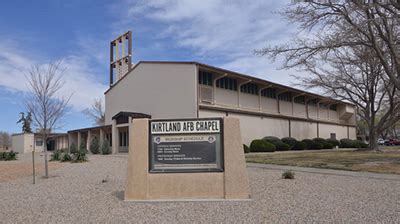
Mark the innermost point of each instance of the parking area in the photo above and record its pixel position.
(93, 192)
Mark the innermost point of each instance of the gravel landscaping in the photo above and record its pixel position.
(93, 192)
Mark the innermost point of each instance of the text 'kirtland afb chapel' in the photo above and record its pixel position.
(176, 90)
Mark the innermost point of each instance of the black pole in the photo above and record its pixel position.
(33, 165)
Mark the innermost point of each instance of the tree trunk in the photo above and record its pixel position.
(46, 169)
(373, 139)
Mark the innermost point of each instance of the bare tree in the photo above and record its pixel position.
(352, 53)
(45, 104)
(5, 140)
(96, 112)
(339, 25)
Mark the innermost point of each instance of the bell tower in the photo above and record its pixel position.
(120, 57)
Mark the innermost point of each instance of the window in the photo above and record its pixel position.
(323, 106)
(313, 102)
(109, 138)
(286, 97)
(300, 100)
(249, 88)
(270, 93)
(39, 142)
(333, 136)
(332, 107)
(227, 83)
(205, 78)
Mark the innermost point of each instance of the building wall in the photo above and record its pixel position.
(285, 108)
(325, 131)
(22, 143)
(303, 130)
(255, 127)
(249, 101)
(159, 89)
(226, 97)
(299, 110)
(269, 105)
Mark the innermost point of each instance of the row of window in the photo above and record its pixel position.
(206, 78)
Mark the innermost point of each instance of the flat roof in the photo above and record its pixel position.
(236, 74)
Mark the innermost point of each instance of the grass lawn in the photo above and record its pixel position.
(379, 162)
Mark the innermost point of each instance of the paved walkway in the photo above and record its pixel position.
(326, 171)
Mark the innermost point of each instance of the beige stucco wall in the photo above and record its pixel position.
(312, 112)
(269, 105)
(325, 131)
(159, 89)
(285, 108)
(301, 130)
(226, 97)
(22, 143)
(254, 127)
(323, 114)
(249, 101)
(299, 110)
(352, 133)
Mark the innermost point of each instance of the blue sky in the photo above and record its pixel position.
(216, 32)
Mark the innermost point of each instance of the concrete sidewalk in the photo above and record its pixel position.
(326, 171)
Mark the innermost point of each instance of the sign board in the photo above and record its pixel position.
(192, 145)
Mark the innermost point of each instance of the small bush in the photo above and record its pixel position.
(273, 140)
(281, 146)
(260, 145)
(95, 146)
(325, 144)
(299, 146)
(308, 143)
(7, 156)
(72, 148)
(317, 145)
(82, 147)
(246, 149)
(290, 141)
(333, 142)
(56, 156)
(347, 143)
(105, 148)
(360, 144)
(288, 174)
(65, 157)
(80, 156)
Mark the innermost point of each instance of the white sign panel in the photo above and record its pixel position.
(185, 127)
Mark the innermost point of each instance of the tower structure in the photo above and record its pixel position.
(120, 57)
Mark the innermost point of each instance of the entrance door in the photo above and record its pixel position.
(123, 141)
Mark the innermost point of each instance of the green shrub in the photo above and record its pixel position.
(56, 156)
(80, 156)
(260, 145)
(317, 145)
(95, 146)
(105, 148)
(299, 146)
(288, 174)
(2, 155)
(308, 143)
(72, 148)
(7, 156)
(82, 147)
(333, 142)
(65, 157)
(360, 144)
(272, 139)
(325, 144)
(347, 143)
(290, 141)
(246, 149)
(281, 146)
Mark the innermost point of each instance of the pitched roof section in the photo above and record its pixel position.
(237, 74)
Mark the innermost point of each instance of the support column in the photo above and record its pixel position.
(115, 137)
(101, 137)
(79, 140)
(69, 141)
(88, 140)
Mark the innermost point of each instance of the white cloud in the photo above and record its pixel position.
(80, 78)
(228, 31)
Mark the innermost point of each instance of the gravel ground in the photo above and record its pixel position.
(75, 194)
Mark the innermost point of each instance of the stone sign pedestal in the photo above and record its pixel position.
(231, 182)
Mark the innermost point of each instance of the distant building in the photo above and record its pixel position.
(26, 142)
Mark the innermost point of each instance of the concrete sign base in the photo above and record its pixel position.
(231, 183)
